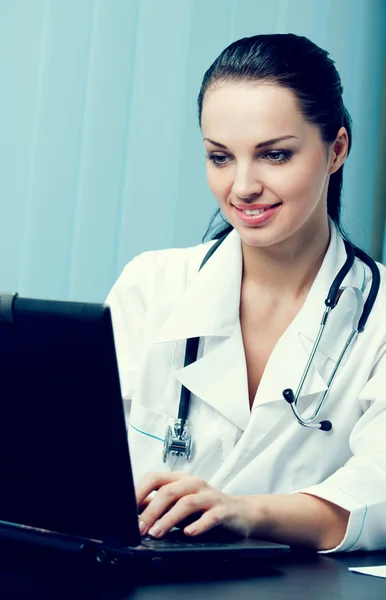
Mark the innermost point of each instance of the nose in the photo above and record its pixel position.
(246, 184)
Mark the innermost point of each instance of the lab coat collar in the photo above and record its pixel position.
(209, 309)
(288, 360)
(209, 306)
(346, 312)
(219, 377)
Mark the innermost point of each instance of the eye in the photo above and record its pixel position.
(278, 156)
(218, 159)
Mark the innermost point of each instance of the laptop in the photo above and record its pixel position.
(65, 473)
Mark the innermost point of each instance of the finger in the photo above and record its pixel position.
(146, 502)
(165, 499)
(214, 517)
(153, 481)
(189, 507)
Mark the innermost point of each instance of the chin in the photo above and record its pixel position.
(278, 231)
(259, 237)
(264, 239)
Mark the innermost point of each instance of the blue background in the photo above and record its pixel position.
(100, 153)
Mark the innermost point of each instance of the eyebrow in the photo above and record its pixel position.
(261, 145)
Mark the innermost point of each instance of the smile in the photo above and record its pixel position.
(256, 215)
(254, 212)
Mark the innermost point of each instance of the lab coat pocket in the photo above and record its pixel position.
(146, 434)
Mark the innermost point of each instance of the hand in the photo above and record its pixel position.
(181, 496)
(294, 519)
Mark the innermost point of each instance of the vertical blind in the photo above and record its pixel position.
(100, 154)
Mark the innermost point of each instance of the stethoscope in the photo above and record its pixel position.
(178, 441)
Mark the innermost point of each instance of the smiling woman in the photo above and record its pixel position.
(276, 136)
(292, 71)
(288, 174)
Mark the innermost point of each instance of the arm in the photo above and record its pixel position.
(360, 485)
(128, 305)
(297, 519)
(344, 512)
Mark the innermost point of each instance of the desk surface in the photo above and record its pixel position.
(28, 574)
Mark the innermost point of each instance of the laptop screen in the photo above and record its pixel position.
(64, 461)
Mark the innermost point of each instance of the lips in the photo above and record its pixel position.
(256, 206)
(257, 215)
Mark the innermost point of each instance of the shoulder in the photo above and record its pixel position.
(382, 272)
(380, 302)
(183, 260)
(160, 271)
(375, 329)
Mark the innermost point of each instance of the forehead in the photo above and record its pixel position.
(257, 111)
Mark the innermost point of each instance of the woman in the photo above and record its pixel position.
(276, 134)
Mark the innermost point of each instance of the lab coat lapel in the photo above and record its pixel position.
(209, 309)
(285, 368)
(345, 314)
(270, 413)
(219, 377)
(289, 358)
(209, 305)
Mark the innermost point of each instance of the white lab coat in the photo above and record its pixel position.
(161, 299)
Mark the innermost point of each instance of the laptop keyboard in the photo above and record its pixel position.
(183, 543)
(177, 539)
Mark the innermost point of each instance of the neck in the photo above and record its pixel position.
(288, 269)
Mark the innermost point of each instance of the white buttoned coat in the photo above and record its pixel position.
(162, 298)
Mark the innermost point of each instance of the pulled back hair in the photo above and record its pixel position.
(295, 63)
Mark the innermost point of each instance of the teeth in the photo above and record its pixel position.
(253, 212)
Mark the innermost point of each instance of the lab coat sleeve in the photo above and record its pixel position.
(360, 485)
(128, 301)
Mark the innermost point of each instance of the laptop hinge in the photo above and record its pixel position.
(6, 307)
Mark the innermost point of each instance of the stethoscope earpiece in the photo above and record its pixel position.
(325, 425)
(288, 396)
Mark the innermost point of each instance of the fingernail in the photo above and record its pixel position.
(142, 527)
(155, 531)
(190, 530)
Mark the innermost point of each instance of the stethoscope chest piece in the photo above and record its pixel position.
(178, 441)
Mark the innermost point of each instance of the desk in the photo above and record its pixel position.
(33, 574)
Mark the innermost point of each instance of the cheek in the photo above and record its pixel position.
(219, 181)
(305, 182)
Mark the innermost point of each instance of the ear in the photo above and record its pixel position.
(339, 150)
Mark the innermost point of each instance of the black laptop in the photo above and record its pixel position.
(65, 473)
